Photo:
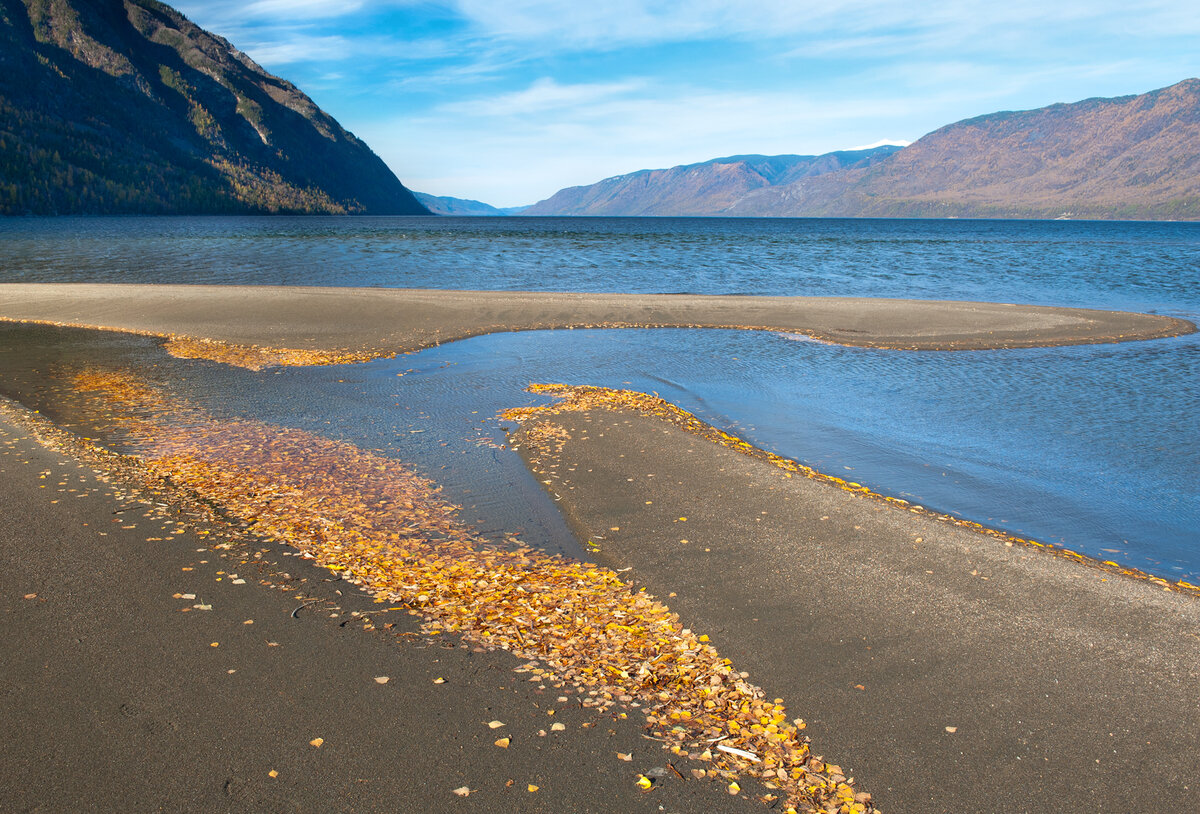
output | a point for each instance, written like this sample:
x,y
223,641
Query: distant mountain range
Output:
x,y
708,188
124,106
442,205
1133,157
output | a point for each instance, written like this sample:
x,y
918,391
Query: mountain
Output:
x,y
708,188
442,205
124,106
1132,157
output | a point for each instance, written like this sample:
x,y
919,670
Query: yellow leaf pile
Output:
x,y
256,357
388,530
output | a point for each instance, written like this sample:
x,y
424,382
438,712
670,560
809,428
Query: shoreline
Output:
x,y
937,663
580,398
264,325
985,677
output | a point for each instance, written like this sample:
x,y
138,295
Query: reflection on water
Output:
x,y
1092,447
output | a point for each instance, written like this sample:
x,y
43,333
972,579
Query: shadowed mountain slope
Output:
x,y
124,106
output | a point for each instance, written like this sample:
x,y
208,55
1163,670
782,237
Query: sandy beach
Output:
x,y
943,669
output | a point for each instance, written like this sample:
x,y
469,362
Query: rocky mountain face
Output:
x,y
1132,157
124,106
713,187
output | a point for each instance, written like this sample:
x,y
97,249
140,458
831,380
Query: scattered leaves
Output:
x,y
389,530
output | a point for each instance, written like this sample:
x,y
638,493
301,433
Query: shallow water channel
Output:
x,y
1087,447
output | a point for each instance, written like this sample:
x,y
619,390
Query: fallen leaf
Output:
x,y
273,773
316,742
952,729
557,727
503,742
31,596
734,788
626,756
381,679
495,724
462,791
644,783
439,681
532,788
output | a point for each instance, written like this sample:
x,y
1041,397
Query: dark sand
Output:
x,y
113,698
383,321
1070,689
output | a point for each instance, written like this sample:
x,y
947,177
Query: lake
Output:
x,y
1096,447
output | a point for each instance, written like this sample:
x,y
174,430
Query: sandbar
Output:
x,y
378,322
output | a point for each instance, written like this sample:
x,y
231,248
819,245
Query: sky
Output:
x,y
508,101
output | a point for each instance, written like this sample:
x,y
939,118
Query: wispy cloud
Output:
x,y
302,48
544,95
611,129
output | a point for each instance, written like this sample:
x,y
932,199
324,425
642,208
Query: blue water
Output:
x,y
1095,447
1134,266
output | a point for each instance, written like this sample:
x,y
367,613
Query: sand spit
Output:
x,y
949,669
285,325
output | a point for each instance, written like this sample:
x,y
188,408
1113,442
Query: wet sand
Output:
x,y
114,697
947,671
387,321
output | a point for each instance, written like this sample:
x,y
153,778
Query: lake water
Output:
x,y
1095,447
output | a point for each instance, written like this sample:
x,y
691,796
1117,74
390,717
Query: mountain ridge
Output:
x,y
127,107
704,188
1128,157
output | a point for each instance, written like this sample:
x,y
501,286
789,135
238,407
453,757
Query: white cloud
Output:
x,y
855,25
301,9
525,146
301,48
542,96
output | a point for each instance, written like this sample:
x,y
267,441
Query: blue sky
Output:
x,y
507,101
